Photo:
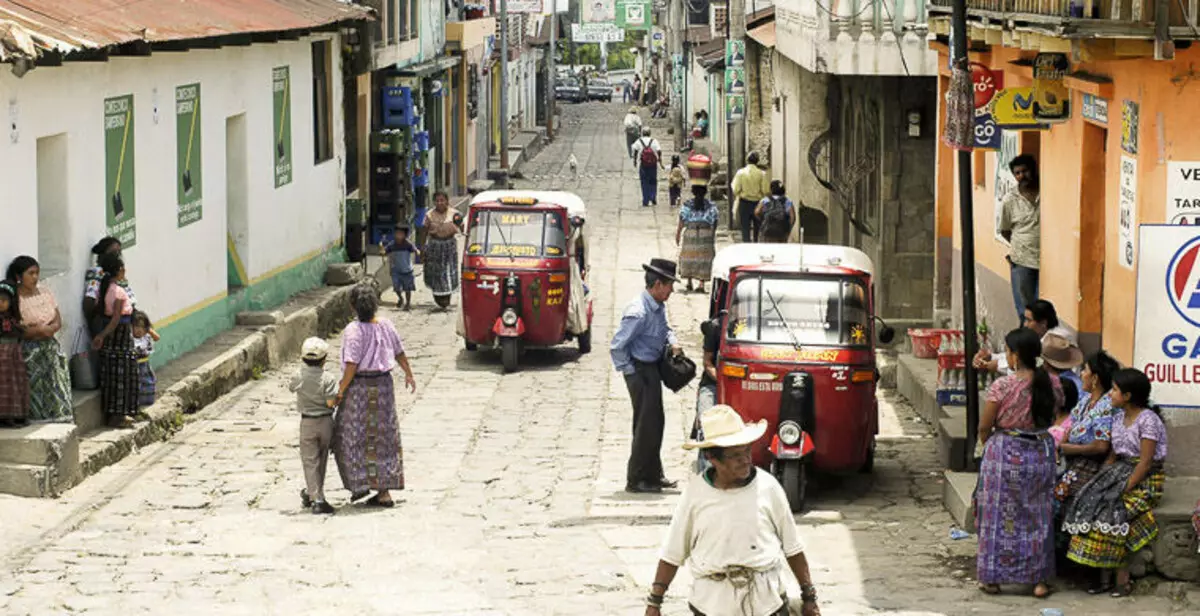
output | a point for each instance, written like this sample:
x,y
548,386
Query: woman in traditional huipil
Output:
x,y
49,381
696,236
440,255
366,440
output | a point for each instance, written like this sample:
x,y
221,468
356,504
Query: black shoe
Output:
x,y
322,507
667,484
305,499
643,487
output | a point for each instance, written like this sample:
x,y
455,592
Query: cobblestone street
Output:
x,y
514,502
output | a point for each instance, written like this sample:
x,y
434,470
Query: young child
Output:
x,y
675,180
14,380
144,338
315,392
400,252
1063,421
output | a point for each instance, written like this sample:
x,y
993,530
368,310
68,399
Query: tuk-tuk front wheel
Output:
x,y
869,464
794,477
443,301
585,341
471,346
510,349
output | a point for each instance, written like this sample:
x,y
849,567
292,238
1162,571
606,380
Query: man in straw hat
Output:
x,y
636,348
1061,357
633,129
734,528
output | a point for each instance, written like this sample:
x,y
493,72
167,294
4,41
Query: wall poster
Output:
x,y
120,192
281,82
189,184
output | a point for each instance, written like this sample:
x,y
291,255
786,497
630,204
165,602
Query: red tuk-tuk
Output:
x,y
797,348
523,273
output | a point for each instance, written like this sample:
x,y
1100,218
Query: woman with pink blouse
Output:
x,y
49,381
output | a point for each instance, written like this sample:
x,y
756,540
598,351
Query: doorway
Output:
x,y
53,206
237,210
1092,235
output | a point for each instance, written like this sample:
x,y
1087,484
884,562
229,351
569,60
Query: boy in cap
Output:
x,y
316,391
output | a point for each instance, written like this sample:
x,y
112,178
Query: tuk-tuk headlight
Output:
x,y
789,432
509,318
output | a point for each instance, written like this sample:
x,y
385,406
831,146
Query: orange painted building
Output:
x,y
1079,163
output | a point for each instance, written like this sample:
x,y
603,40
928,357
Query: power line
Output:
x,y
899,46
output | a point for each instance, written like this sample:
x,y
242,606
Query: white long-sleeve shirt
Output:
x,y
632,121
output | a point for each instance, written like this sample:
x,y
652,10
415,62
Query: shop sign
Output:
x,y
735,107
988,84
1013,108
596,33
634,14
119,187
1183,193
281,145
525,6
1051,98
658,40
735,80
189,183
1127,211
1166,335
1129,126
735,52
1095,109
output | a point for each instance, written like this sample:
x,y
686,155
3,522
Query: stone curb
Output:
x,y
272,346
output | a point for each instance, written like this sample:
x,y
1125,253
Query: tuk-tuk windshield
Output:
x,y
516,233
818,311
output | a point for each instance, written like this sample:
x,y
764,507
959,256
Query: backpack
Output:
x,y
776,223
649,157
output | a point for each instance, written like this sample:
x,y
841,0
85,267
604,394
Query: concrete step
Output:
x,y
89,415
916,380
952,438
1175,549
27,480
957,492
39,445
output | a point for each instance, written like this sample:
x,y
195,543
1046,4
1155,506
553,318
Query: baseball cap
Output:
x,y
314,348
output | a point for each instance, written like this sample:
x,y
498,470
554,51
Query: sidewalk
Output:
x,y
47,460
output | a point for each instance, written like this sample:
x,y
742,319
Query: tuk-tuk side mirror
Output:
x,y
886,334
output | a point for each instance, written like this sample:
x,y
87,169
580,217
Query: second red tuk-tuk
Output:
x,y
797,332
523,273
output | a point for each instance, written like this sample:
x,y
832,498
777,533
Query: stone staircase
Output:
x,y
1173,555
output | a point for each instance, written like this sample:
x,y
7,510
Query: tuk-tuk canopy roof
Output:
x,y
790,256
571,201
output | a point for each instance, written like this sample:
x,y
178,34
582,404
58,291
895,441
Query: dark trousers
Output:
x,y
750,223
648,174
1024,288
646,390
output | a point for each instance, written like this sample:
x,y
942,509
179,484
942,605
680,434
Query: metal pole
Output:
x,y
675,44
735,146
551,70
966,216
504,84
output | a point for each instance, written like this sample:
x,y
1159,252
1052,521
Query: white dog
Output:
x,y
574,163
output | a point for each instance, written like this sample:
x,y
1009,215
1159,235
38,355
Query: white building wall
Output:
x,y
172,269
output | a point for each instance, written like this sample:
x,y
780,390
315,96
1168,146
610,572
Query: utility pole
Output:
x,y
551,70
966,216
504,84
735,143
677,20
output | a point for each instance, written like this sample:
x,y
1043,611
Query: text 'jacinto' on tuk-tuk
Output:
x,y
523,273
797,331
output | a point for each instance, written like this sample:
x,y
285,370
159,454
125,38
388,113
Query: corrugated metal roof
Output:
x,y
764,34
74,25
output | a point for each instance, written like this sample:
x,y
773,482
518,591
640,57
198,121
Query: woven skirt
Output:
x,y
441,265
14,382
696,251
1108,547
119,386
1015,510
49,381
366,436
147,383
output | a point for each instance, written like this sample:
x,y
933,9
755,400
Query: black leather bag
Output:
x,y
676,370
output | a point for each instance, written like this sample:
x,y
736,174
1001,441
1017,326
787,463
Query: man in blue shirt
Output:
x,y
637,347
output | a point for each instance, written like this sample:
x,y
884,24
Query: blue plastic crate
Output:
x,y
951,397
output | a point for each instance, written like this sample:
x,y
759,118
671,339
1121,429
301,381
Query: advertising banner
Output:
x,y
634,14
735,107
1166,335
600,11
526,6
120,193
189,184
281,145
596,33
1183,192
1051,98
988,84
1127,211
735,52
735,81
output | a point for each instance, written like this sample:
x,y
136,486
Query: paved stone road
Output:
x,y
514,504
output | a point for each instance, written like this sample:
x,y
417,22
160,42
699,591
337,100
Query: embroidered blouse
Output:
x,y
441,224
9,327
689,214
1127,440
1092,423
1014,396
372,347
115,293
40,308
91,289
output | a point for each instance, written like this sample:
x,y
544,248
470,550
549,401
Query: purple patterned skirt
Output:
x,y
366,435
1015,509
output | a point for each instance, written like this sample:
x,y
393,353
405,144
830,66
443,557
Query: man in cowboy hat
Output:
x,y
637,347
734,528
1060,356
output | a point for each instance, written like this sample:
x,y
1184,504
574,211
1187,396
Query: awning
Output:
x,y
764,35
429,67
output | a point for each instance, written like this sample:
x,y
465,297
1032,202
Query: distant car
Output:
x,y
600,90
569,90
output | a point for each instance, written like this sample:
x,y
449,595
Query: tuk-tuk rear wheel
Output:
x,y
794,478
509,353
585,341
869,464
471,346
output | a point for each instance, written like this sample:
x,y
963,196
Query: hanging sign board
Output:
x,y
988,84
596,33
1166,334
735,52
634,14
1051,98
1127,212
1183,193
1013,108
1095,109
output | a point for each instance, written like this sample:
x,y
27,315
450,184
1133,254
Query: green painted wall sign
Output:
x,y
281,146
189,184
119,186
